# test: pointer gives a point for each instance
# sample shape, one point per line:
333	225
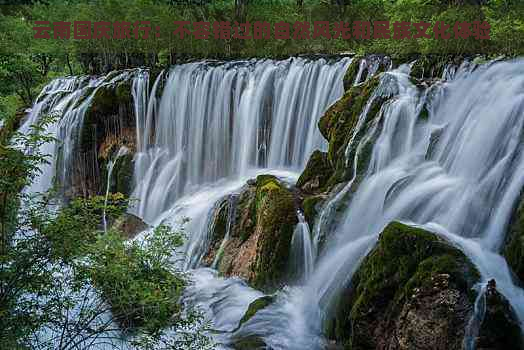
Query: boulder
260	238
129	225
315	176
500	328
412	291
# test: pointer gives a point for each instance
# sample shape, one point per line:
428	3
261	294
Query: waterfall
67	101
461	185
207	127
220	120
302	252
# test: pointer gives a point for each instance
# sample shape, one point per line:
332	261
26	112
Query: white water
67	100
302	252
216	121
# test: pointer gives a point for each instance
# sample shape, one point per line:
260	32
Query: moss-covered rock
351	72
249	343
432	66
315	176
338	124
276	219
413	291
260	238
255	306
311	205
513	249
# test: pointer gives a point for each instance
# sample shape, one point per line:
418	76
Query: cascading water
302	252
217	121
66	100
463	186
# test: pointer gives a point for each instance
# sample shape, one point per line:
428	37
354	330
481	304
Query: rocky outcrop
433	66
255	306
371	65
129	225
413	291
108	125
258	245
317	173
325	170
500	328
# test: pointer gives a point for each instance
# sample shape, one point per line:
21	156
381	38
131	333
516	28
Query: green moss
249	343
276	219
245	214
310	205
123	92
338	124
404	258
266	184
432	66
351	72
317	168
255	306
121	178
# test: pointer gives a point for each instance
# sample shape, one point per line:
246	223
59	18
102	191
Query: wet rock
109	123
412	291
129	225
260	237
312	205
433	66
500	328
219	228
315	176
122	176
255	306
338	124
249	343
351	72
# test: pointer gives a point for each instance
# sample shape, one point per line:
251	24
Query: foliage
64	284
138	281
